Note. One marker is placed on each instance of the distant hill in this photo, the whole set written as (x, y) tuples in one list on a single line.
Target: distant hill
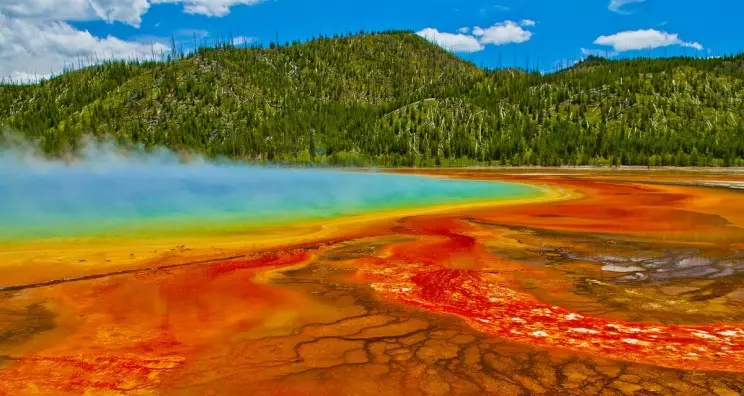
[(394, 99)]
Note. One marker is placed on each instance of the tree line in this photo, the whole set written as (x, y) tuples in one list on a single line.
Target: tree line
[(392, 99)]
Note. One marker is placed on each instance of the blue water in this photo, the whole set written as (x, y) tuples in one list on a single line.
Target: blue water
[(42, 199)]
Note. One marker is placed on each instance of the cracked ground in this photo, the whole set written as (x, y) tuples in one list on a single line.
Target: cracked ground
[(633, 288)]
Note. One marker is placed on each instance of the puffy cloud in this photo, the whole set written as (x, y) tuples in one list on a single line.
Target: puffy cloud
[(617, 5), (214, 8), (127, 11), (502, 33), (36, 41), (453, 42), (643, 39), (33, 48), (476, 39)]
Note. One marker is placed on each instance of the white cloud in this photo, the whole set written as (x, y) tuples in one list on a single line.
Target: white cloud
[(617, 5), (30, 48), (643, 39), (213, 8), (476, 39), (502, 33), (527, 22), (36, 40), (450, 41), (127, 11)]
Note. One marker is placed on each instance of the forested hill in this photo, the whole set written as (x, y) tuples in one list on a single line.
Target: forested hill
[(393, 99)]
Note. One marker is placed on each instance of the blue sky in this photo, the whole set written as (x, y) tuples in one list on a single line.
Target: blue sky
[(501, 32)]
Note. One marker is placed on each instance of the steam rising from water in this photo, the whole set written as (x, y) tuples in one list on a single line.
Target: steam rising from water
[(109, 190)]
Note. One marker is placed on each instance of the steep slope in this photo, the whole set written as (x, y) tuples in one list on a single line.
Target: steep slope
[(394, 99), (321, 97), (34, 110)]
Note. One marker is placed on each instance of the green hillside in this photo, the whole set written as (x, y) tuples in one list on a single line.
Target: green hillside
[(393, 99)]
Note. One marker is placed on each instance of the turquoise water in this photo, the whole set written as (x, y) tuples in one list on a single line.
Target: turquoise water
[(127, 197)]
